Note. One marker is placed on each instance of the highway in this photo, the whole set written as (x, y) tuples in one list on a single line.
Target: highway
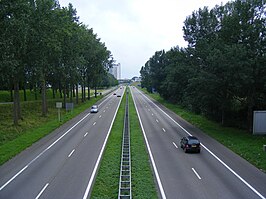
[(64, 164), (216, 172)]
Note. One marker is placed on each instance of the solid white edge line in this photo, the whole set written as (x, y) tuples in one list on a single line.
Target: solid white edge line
[(196, 173), (43, 189), (11, 179), (149, 150), (100, 155), (71, 153), (231, 170)]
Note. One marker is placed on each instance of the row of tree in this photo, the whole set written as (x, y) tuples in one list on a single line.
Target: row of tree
[(43, 44), (222, 72)]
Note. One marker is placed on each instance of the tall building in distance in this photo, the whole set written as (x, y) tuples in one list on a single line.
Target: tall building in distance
[(116, 71)]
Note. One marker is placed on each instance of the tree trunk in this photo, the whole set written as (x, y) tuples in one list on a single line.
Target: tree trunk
[(16, 102), (44, 100), (24, 92), (95, 92), (35, 91), (88, 84), (77, 94)]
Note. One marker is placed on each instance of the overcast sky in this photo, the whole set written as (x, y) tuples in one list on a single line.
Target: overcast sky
[(133, 30)]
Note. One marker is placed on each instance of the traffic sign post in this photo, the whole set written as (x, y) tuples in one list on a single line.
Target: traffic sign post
[(59, 106)]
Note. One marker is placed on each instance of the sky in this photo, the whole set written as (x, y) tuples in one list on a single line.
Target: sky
[(133, 30)]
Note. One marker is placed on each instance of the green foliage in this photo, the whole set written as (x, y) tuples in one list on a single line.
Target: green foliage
[(45, 45), (220, 73)]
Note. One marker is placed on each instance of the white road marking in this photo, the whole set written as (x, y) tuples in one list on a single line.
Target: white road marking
[(71, 153), (100, 155), (94, 123), (152, 114), (175, 145), (85, 134), (150, 153), (157, 121), (164, 130), (100, 116), (13, 177), (225, 165), (17, 174), (103, 110), (43, 189), (196, 173)]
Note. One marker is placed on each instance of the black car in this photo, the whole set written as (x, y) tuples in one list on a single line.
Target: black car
[(190, 144)]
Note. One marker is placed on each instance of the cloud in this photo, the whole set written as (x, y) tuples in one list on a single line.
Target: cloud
[(134, 29)]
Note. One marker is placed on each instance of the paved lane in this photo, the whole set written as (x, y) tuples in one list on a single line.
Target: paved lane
[(214, 173), (61, 165)]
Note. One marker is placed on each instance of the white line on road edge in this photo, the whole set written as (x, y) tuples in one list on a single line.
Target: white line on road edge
[(13, 177), (43, 189), (100, 155), (71, 153), (226, 166), (17, 174), (175, 145), (196, 173), (150, 153)]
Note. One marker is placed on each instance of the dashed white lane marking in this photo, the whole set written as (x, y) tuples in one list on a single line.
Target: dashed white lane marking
[(196, 173), (71, 153), (43, 189), (157, 121), (94, 123), (85, 134), (103, 110), (164, 130), (100, 116), (175, 145), (152, 114)]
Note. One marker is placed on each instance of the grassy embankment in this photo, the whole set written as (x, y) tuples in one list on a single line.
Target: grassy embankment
[(107, 180), (33, 127), (248, 146)]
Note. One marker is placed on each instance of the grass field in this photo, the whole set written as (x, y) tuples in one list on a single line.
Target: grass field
[(107, 180), (248, 146)]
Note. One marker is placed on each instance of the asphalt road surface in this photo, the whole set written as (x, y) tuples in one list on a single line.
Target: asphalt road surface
[(64, 163), (216, 172)]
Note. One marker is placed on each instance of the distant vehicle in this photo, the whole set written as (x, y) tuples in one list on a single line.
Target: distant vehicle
[(190, 144), (94, 109), (118, 95), (114, 94)]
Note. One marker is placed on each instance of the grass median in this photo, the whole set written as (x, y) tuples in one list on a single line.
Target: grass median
[(107, 180)]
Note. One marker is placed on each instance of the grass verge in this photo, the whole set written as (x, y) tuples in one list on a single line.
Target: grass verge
[(107, 180), (13, 139), (241, 142)]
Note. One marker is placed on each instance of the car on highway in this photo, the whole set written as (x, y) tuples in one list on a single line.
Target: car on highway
[(190, 144), (94, 109), (118, 95)]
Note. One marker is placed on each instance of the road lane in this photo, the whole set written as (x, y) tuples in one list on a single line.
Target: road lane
[(51, 172), (175, 167)]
